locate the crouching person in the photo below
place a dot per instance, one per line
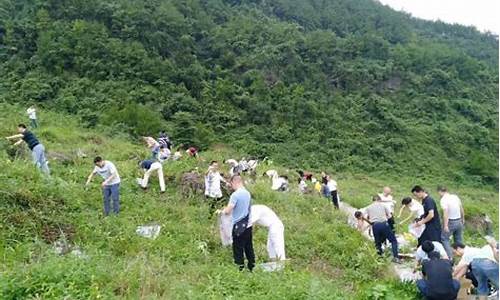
(150, 166)
(438, 282)
(239, 207)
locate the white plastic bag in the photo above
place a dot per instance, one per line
(225, 228)
(149, 231)
(416, 231)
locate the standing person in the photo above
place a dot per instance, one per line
(387, 200)
(213, 189)
(110, 185)
(453, 218)
(31, 111)
(264, 216)
(482, 262)
(37, 149)
(416, 209)
(239, 208)
(149, 166)
(377, 214)
(332, 189)
(438, 282)
(430, 218)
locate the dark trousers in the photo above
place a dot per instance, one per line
(391, 223)
(214, 204)
(335, 199)
(381, 233)
(423, 288)
(243, 244)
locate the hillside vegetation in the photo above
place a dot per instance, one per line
(346, 85)
(329, 260)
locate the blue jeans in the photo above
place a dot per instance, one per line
(424, 290)
(111, 192)
(456, 230)
(381, 233)
(484, 270)
(38, 155)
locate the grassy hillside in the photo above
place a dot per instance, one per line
(348, 84)
(329, 260)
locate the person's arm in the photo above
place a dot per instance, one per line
(89, 178)
(410, 216)
(401, 211)
(493, 245)
(18, 142)
(15, 136)
(110, 178)
(460, 270)
(445, 219)
(228, 209)
(429, 217)
(462, 213)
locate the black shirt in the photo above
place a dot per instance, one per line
(439, 273)
(430, 204)
(30, 139)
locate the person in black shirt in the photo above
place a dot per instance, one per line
(438, 283)
(430, 217)
(37, 149)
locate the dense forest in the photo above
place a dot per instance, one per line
(348, 85)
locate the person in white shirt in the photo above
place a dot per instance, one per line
(302, 185)
(427, 247)
(453, 219)
(149, 166)
(31, 111)
(483, 264)
(388, 201)
(264, 216)
(331, 185)
(110, 185)
(213, 181)
(416, 209)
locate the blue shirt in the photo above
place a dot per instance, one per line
(241, 200)
(146, 164)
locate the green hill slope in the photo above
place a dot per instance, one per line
(352, 85)
(329, 260)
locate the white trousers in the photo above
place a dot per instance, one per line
(276, 241)
(156, 166)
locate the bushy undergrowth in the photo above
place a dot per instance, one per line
(328, 259)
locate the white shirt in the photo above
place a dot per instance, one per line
(416, 208)
(388, 202)
(31, 113)
(263, 216)
(302, 186)
(420, 255)
(452, 203)
(106, 171)
(332, 185)
(212, 185)
(471, 253)
(278, 183)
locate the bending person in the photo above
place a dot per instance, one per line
(37, 149)
(264, 216)
(149, 166)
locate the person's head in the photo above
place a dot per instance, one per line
(236, 182)
(98, 161)
(458, 249)
(214, 164)
(442, 190)
(358, 215)
(21, 128)
(376, 198)
(301, 173)
(387, 191)
(299, 180)
(406, 201)
(433, 255)
(427, 247)
(419, 192)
